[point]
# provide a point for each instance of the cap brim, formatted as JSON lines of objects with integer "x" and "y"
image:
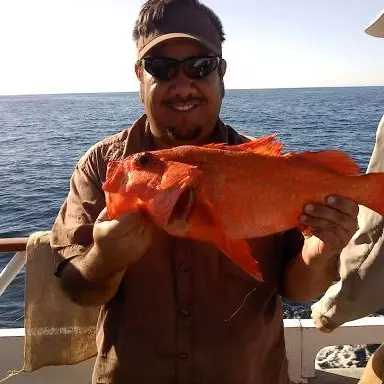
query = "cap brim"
{"x": 169, "y": 36}
{"x": 376, "y": 26}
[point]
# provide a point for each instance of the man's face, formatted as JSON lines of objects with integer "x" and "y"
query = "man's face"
{"x": 181, "y": 110}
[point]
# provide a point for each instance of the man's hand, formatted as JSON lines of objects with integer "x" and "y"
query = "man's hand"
{"x": 122, "y": 241}
{"x": 332, "y": 226}
{"x": 94, "y": 278}
{"x": 315, "y": 267}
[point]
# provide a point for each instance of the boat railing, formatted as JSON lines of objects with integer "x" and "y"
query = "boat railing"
{"x": 16, "y": 264}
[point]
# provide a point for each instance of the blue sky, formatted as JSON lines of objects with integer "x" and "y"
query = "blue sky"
{"x": 64, "y": 46}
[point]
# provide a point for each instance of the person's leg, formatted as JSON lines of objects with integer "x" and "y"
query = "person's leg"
{"x": 374, "y": 371}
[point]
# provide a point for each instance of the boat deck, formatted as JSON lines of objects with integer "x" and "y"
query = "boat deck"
{"x": 81, "y": 374}
{"x": 11, "y": 359}
{"x": 337, "y": 376}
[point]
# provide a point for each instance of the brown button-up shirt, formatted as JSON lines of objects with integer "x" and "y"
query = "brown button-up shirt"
{"x": 184, "y": 313}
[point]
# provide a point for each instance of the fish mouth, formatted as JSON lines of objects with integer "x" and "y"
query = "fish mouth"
{"x": 183, "y": 207}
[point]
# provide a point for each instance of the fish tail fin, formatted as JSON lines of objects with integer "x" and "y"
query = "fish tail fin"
{"x": 240, "y": 253}
{"x": 373, "y": 192}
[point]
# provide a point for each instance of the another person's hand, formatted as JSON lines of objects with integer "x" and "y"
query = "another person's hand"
{"x": 320, "y": 326}
{"x": 124, "y": 240}
{"x": 332, "y": 226}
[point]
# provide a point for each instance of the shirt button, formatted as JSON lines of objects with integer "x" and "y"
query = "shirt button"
{"x": 184, "y": 356}
{"x": 183, "y": 267}
{"x": 184, "y": 312}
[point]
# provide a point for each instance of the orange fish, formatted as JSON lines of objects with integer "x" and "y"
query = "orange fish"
{"x": 226, "y": 194}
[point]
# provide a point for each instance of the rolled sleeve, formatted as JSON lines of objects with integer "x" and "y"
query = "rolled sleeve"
{"x": 72, "y": 232}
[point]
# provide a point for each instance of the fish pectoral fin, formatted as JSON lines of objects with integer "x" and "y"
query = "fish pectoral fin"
{"x": 339, "y": 162}
{"x": 113, "y": 177}
{"x": 267, "y": 145}
{"x": 237, "y": 250}
{"x": 181, "y": 174}
{"x": 240, "y": 253}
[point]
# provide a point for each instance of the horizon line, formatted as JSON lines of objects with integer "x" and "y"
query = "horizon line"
{"x": 227, "y": 89}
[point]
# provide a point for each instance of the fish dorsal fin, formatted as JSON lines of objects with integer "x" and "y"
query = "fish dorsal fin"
{"x": 338, "y": 161}
{"x": 267, "y": 145}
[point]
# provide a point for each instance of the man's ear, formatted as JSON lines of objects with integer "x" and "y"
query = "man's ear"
{"x": 223, "y": 68}
{"x": 139, "y": 75}
{"x": 138, "y": 71}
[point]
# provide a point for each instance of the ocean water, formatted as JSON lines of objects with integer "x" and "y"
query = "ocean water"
{"x": 43, "y": 136}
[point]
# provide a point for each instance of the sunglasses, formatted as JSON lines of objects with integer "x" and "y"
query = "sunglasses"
{"x": 166, "y": 68}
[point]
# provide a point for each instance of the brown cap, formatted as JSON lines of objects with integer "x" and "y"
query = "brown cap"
{"x": 184, "y": 21}
{"x": 376, "y": 26}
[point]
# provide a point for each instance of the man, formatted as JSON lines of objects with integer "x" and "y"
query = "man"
{"x": 169, "y": 306}
{"x": 360, "y": 291}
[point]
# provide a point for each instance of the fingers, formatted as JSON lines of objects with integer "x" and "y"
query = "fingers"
{"x": 126, "y": 219}
{"x": 328, "y": 230}
{"x": 133, "y": 221}
{"x": 130, "y": 224}
{"x": 334, "y": 223}
{"x": 134, "y": 232}
{"x": 339, "y": 212}
{"x": 342, "y": 210}
{"x": 124, "y": 239}
{"x": 346, "y": 206}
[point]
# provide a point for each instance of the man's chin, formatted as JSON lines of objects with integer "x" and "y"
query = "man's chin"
{"x": 192, "y": 136}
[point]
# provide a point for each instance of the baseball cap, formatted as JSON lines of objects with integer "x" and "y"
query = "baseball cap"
{"x": 182, "y": 21}
{"x": 376, "y": 26}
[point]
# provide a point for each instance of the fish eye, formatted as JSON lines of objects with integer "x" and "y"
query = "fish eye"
{"x": 142, "y": 159}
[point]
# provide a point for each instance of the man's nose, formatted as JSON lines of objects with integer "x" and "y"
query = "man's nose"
{"x": 182, "y": 86}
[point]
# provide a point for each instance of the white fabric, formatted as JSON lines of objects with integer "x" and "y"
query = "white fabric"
{"x": 360, "y": 290}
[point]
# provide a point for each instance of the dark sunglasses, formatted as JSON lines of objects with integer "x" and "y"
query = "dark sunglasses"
{"x": 166, "y": 68}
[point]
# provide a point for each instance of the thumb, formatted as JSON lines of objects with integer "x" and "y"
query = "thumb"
{"x": 103, "y": 216}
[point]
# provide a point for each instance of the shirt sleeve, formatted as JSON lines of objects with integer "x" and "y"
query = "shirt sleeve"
{"x": 72, "y": 232}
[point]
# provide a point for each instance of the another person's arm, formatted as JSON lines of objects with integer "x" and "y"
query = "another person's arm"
{"x": 315, "y": 267}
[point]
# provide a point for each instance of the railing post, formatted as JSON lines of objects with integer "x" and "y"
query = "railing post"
{"x": 10, "y": 271}
{"x": 294, "y": 349}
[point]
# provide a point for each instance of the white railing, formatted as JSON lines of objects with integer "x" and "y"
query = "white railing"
{"x": 304, "y": 341}
{"x": 10, "y": 271}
